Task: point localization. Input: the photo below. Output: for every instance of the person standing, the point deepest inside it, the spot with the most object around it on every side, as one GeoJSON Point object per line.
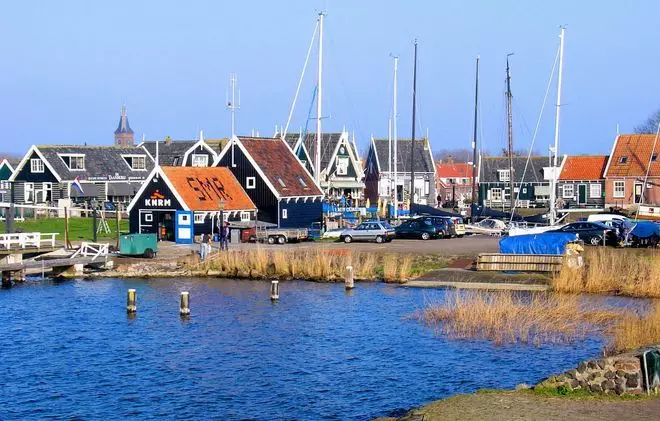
{"type": "Point", "coordinates": [224, 233]}
{"type": "Point", "coordinates": [202, 247]}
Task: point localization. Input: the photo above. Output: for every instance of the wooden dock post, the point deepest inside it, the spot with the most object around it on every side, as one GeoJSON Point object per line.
{"type": "Point", "coordinates": [6, 279]}
{"type": "Point", "coordinates": [274, 290]}
{"type": "Point", "coordinates": [184, 308]}
{"type": "Point", "coordinates": [131, 302]}
{"type": "Point", "coordinates": [349, 282]}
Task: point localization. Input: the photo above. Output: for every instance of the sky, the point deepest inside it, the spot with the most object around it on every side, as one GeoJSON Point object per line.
{"type": "Point", "coordinates": [69, 66]}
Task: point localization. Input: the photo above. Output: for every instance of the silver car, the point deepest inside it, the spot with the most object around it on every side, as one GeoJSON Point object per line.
{"type": "Point", "coordinates": [369, 231]}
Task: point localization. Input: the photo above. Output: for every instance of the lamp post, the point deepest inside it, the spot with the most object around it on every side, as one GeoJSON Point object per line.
{"type": "Point", "coordinates": [221, 206]}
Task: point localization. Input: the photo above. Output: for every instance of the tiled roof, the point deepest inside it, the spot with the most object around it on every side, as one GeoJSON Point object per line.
{"type": "Point", "coordinates": [280, 166]}
{"type": "Point", "coordinates": [201, 188]}
{"type": "Point", "coordinates": [490, 165]}
{"type": "Point", "coordinates": [453, 170]}
{"type": "Point", "coordinates": [170, 153]}
{"type": "Point", "coordinates": [631, 154]}
{"type": "Point", "coordinates": [328, 145]}
{"type": "Point", "coordinates": [583, 167]}
{"type": "Point", "coordinates": [423, 160]}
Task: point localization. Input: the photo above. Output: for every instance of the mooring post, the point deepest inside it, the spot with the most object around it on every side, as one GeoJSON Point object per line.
{"type": "Point", "coordinates": [131, 302]}
{"type": "Point", "coordinates": [349, 283]}
{"type": "Point", "coordinates": [6, 279]}
{"type": "Point", "coordinates": [275, 290]}
{"type": "Point", "coordinates": [184, 308]}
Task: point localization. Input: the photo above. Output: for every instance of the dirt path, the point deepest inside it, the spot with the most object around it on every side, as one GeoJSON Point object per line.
{"type": "Point", "coordinates": [510, 405]}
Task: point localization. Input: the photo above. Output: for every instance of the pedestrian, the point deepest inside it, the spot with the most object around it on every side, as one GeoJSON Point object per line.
{"type": "Point", "coordinates": [224, 233]}
{"type": "Point", "coordinates": [202, 247]}
{"type": "Point", "coordinates": [207, 244]}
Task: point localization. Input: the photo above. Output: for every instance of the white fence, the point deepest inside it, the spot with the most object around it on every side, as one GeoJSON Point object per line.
{"type": "Point", "coordinates": [92, 250]}
{"type": "Point", "coordinates": [25, 240]}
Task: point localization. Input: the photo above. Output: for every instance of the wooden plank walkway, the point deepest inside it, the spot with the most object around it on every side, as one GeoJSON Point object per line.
{"type": "Point", "coordinates": [51, 263]}
{"type": "Point", "coordinates": [520, 262]}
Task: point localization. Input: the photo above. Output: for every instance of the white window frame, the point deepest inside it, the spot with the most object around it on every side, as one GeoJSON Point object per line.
{"type": "Point", "coordinates": [251, 182]}
{"type": "Point", "coordinates": [37, 166]}
{"type": "Point", "coordinates": [5, 185]}
{"type": "Point", "coordinates": [499, 194]}
{"type": "Point", "coordinates": [45, 188]}
{"type": "Point", "coordinates": [427, 187]}
{"type": "Point", "coordinates": [245, 216]}
{"type": "Point", "coordinates": [139, 158]}
{"type": "Point", "coordinates": [504, 175]}
{"type": "Point", "coordinates": [619, 193]}
{"type": "Point", "coordinates": [28, 187]}
{"type": "Point", "coordinates": [197, 156]}
{"type": "Point", "coordinates": [285, 213]}
{"type": "Point", "coordinates": [568, 191]}
{"type": "Point", "coordinates": [148, 217]}
{"type": "Point", "coordinates": [199, 218]}
{"type": "Point", "coordinates": [342, 165]}
{"type": "Point", "coordinates": [595, 191]}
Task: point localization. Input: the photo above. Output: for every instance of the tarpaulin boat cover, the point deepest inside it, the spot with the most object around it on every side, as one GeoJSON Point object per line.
{"type": "Point", "coordinates": [430, 210]}
{"type": "Point", "coordinates": [544, 243]}
{"type": "Point", "coordinates": [645, 229]}
{"type": "Point", "coordinates": [484, 212]}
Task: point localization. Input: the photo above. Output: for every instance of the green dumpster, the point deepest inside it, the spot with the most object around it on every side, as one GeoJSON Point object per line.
{"type": "Point", "coordinates": [145, 245]}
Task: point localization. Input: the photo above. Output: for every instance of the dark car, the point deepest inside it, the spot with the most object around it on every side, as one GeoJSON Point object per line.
{"type": "Point", "coordinates": [417, 228]}
{"type": "Point", "coordinates": [444, 225]}
{"type": "Point", "coordinates": [591, 232]}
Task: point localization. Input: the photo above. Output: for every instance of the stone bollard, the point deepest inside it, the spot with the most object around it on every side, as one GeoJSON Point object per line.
{"type": "Point", "coordinates": [131, 302]}
{"type": "Point", "coordinates": [349, 283]}
{"type": "Point", "coordinates": [184, 308]}
{"type": "Point", "coordinates": [274, 290]}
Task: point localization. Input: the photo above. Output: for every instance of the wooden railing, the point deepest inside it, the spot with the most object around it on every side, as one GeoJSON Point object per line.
{"type": "Point", "coordinates": [93, 250]}
{"type": "Point", "coordinates": [21, 241]}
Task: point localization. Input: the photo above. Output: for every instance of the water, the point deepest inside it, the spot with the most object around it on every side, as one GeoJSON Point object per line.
{"type": "Point", "coordinates": [70, 351]}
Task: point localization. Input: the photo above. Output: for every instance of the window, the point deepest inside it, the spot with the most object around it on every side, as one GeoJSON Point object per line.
{"type": "Point", "coordinates": [74, 162]}
{"type": "Point", "coordinates": [199, 217]}
{"type": "Point", "coordinates": [285, 213]}
{"type": "Point", "coordinates": [279, 180]}
{"type": "Point", "coordinates": [29, 192]}
{"type": "Point", "coordinates": [595, 191]}
{"type": "Point", "coordinates": [623, 160]}
{"type": "Point", "coordinates": [245, 216]}
{"type": "Point", "coordinates": [619, 189]}
{"type": "Point", "coordinates": [250, 182]}
{"type": "Point", "coordinates": [36, 165]}
{"type": "Point", "coordinates": [569, 191]}
{"type": "Point", "coordinates": [342, 166]}
{"type": "Point", "coordinates": [427, 186]}
{"type": "Point", "coordinates": [504, 175]}
{"type": "Point", "coordinates": [496, 195]}
{"type": "Point", "coordinates": [4, 185]}
{"type": "Point", "coordinates": [654, 157]}
{"type": "Point", "coordinates": [136, 162]}
{"type": "Point", "coordinates": [148, 217]}
{"type": "Point", "coordinates": [175, 162]}
{"type": "Point", "coordinates": [200, 160]}
{"type": "Point", "coordinates": [46, 193]}
{"type": "Point", "coordinates": [302, 182]}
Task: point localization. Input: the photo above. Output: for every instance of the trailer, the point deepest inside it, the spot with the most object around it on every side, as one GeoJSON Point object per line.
{"type": "Point", "coordinates": [281, 235]}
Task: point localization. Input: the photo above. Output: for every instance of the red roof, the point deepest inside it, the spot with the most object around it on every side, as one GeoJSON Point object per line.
{"type": "Point", "coordinates": [453, 170]}
{"type": "Point", "coordinates": [202, 188]}
{"type": "Point", "coordinates": [583, 167]}
{"type": "Point", "coordinates": [631, 156]}
{"type": "Point", "coordinates": [280, 166]}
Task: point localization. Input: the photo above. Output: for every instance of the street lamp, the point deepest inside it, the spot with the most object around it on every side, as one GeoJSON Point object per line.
{"type": "Point", "coordinates": [221, 206]}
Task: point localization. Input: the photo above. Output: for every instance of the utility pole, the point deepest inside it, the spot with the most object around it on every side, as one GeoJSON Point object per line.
{"type": "Point", "coordinates": [510, 131]}
{"type": "Point", "coordinates": [553, 181]}
{"type": "Point", "coordinates": [319, 103]}
{"type": "Point", "coordinates": [412, 141]}
{"type": "Point", "coordinates": [474, 138]}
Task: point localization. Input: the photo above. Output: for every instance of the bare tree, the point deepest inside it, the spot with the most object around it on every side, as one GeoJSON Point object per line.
{"type": "Point", "coordinates": [518, 152]}
{"type": "Point", "coordinates": [650, 125]}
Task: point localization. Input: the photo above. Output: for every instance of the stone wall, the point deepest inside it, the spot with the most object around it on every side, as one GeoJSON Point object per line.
{"type": "Point", "coordinates": [620, 374]}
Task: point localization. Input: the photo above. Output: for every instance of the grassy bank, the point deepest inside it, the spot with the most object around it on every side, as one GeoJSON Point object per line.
{"type": "Point", "coordinates": [80, 229]}
{"type": "Point", "coordinates": [631, 272]}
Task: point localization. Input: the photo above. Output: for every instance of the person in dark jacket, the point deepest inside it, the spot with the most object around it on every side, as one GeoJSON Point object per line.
{"type": "Point", "coordinates": [224, 234]}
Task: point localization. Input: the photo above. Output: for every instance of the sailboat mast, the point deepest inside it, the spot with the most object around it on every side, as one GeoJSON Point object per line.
{"type": "Point", "coordinates": [395, 117]}
{"type": "Point", "coordinates": [319, 98]}
{"type": "Point", "coordinates": [474, 137]}
{"type": "Point", "coordinates": [553, 182]}
{"type": "Point", "coordinates": [412, 141]}
{"type": "Point", "coordinates": [510, 132]}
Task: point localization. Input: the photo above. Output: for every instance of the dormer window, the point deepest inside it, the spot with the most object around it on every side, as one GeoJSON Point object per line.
{"type": "Point", "coordinates": [654, 157]}
{"type": "Point", "coordinates": [279, 180]}
{"type": "Point", "coordinates": [74, 162]}
{"type": "Point", "coordinates": [504, 175]}
{"type": "Point", "coordinates": [200, 160]}
{"type": "Point", "coordinates": [623, 160]}
{"type": "Point", "coordinates": [136, 162]}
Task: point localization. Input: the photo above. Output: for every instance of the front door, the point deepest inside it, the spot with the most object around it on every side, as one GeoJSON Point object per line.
{"type": "Point", "coordinates": [638, 192]}
{"type": "Point", "coordinates": [582, 194]}
{"type": "Point", "coordinates": [183, 227]}
{"type": "Point", "coordinates": [146, 224]}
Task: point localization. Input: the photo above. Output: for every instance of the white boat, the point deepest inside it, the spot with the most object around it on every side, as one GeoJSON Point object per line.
{"type": "Point", "coordinates": [487, 227]}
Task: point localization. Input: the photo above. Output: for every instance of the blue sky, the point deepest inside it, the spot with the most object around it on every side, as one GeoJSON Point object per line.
{"type": "Point", "coordinates": [68, 66]}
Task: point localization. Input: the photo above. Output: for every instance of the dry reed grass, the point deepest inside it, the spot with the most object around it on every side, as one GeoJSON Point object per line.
{"type": "Point", "coordinates": [632, 272]}
{"type": "Point", "coordinates": [634, 331]}
{"type": "Point", "coordinates": [510, 318]}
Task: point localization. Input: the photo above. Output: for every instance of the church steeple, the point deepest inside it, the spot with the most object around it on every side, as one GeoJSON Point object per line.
{"type": "Point", "coordinates": [124, 133]}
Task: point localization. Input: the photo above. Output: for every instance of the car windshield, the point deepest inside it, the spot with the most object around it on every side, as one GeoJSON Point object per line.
{"type": "Point", "coordinates": [386, 225]}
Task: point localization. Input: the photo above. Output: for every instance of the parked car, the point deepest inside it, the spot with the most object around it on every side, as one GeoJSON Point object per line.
{"type": "Point", "coordinates": [417, 228]}
{"type": "Point", "coordinates": [591, 232]}
{"type": "Point", "coordinates": [443, 224]}
{"type": "Point", "coordinates": [377, 231]}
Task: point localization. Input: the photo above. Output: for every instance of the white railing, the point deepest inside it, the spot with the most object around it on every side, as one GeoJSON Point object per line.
{"type": "Point", "coordinates": [93, 250]}
{"type": "Point", "coordinates": [25, 240]}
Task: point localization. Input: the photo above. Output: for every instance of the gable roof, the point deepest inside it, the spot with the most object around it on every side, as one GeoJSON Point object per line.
{"type": "Point", "coordinates": [6, 162]}
{"type": "Point", "coordinates": [583, 167]}
{"type": "Point", "coordinates": [329, 143]}
{"type": "Point", "coordinates": [423, 161]}
{"type": "Point", "coordinates": [174, 153]}
{"type": "Point", "coordinates": [101, 162]}
{"type": "Point", "coordinates": [201, 188]}
{"type": "Point", "coordinates": [279, 166]}
{"type": "Point", "coordinates": [453, 170]}
{"type": "Point", "coordinates": [490, 164]}
{"type": "Point", "coordinates": [637, 150]}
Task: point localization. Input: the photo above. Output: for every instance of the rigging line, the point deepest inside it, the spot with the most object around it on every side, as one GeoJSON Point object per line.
{"type": "Point", "coordinates": [648, 169]}
{"type": "Point", "coordinates": [536, 130]}
{"type": "Point", "coordinates": [302, 75]}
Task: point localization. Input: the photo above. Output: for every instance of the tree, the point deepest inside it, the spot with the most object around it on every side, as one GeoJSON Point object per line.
{"type": "Point", "coordinates": [650, 125]}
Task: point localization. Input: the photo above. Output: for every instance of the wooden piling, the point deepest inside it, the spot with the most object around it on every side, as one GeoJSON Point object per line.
{"type": "Point", "coordinates": [275, 290]}
{"type": "Point", "coordinates": [131, 302]}
{"type": "Point", "coordinates": [349, 282]}
{"type": "Point", "coordinates": [184, 308]}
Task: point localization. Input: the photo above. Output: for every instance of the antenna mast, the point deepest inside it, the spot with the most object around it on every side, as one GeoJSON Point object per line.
{"type": "Point", "coordinates": [412, 141]}
{"type": "Point", "coordinates": [232, 106]}
{"type": "Point", "coordinates": [553, 182]}
{"type": "Point", "coordinates": [474, 138]}
{"type": "Point", "coordinates": [395, 117]}
{"type": "Point", "coordinates": [319, 102]}
{"type": "Point", "coordinates": [510, 132]}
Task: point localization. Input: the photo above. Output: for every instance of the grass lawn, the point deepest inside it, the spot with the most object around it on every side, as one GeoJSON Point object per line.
{"type": "Point", "coordinates": [80, 229]}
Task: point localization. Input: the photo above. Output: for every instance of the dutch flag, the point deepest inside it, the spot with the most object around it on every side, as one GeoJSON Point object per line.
{"type": "Point", "coordinates": [78, 186]}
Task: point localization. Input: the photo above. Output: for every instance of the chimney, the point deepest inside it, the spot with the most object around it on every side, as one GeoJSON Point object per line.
{"type": "Point", "coordinates": [168, 140]}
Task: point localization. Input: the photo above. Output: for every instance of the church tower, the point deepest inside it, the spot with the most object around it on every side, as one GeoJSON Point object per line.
{"type": "Point", "coordinates": [124, 133]}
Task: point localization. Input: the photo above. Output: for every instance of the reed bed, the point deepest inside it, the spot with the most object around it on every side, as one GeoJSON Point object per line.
{"type": "Point", "coordinates": [631, 272]}
{"type": "Point", "coordinates": [635, 330]}
{"type": "Point", "coordinates": [513, 318]}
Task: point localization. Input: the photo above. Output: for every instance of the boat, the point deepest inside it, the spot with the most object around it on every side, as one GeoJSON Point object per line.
{"type": "Point", "coordinates": [487, 226]}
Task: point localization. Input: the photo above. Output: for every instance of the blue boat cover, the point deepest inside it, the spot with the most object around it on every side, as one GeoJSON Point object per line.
{"type": "Point", "coordinates": [544, 243]}
{"type": "Point", "coordinates": [645, 229]}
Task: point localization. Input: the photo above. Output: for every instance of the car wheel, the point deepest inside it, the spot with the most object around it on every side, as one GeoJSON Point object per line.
{"type": "Point", "coordinates": [271, 240]}
{"type": "Point", "coordinates": [348, 239]}
{"type": "Point", "coordinates": [595, 241]}
{"type": "Point", "coordinates": [425, 236]}
{"type": "Point", "coordinates": [281, 240]}
{"type": "Point", "coordinates": [379, 239]}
